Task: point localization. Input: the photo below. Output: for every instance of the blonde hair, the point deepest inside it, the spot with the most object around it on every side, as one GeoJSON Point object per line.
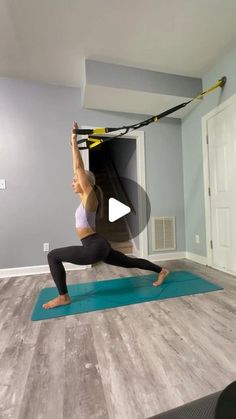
{"type": "Point", "coordinates": [98, 191]}
{"type": "Point", "coordinates": [91, 177]}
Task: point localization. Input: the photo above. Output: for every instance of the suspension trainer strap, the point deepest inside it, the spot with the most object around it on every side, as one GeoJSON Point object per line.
{"type": "Point", "coordinates": [95, 135]}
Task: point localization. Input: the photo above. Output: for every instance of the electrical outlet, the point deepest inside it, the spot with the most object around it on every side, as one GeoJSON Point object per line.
{"type": "Point", "coordinates": [45, 247]}
{"type": "Point", "coordinates": [197, 239]}
{"type": "Point", "coordinates": [2, 184]}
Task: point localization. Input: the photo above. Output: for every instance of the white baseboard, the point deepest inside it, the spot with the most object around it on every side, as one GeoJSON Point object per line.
{"type": "Point", "coordinates": [44, 269]}
{"type": "Point", "coordinates": [36, 270]}
{"type": "Point", "coordinates": [196, 258]}
{"type": "Point", "coordinates": [178, 255]}
{"type": "Point", "coordinates": [166, 256]}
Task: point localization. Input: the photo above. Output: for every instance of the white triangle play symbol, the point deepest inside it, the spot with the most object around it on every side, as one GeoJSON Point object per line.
{"type": "Point", "coordinates": [116, 209]}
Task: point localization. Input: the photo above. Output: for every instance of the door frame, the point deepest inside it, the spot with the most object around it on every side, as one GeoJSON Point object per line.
{"type": "Point", "coordinates": [206, 177]}
{"type": "Point", "coordinates": [139, 137]}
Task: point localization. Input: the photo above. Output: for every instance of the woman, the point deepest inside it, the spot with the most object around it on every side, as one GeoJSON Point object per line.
{"type": "Point", "coordinates": [94, 247]}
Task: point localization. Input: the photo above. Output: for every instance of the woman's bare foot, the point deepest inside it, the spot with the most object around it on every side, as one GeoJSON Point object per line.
{"type": "Point", "coordinates": [161, 277]}
{"type": "Point", "coordinates": [61, 300]}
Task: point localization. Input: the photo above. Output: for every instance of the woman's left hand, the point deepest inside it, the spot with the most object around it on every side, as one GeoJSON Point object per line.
{"type": "Point", "coordinates": [73, 139]}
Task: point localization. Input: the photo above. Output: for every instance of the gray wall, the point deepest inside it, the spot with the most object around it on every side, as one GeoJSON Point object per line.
{"type": "Point", "coordinates": [164, 176]}
{"type": "Point", "coordinates": [35, 159]}
{"type": "Point", "coordinates": [192, 152]}
{"type": "Point", "coordinates": [119, 76]}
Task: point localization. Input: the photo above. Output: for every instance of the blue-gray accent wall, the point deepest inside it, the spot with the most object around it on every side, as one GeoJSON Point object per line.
{"type": "Point", "coordinates": [123, 77]}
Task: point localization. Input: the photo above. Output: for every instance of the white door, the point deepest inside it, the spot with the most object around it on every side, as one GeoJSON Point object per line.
{"type": "Point", "coordinates": [222, 175]}
{"type": "Point", "coordinates": [85, 157]}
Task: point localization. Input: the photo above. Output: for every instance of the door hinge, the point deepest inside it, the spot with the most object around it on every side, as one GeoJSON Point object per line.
{"type": "Point", "coordinates": [209, 191]}
{"type": "Point", "coordinates": [207, 141]}
{"type": "Point", "coordinates": [211, 244]}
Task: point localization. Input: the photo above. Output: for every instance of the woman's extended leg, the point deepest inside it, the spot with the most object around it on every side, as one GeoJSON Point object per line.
{"type": "Point", "coordinates": [119, 259]}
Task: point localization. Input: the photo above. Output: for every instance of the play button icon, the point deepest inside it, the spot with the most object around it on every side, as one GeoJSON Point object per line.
{"type": "Point", "coordinates": [124, 209]}
{"type": "Point", "coordinates": [116, 209]}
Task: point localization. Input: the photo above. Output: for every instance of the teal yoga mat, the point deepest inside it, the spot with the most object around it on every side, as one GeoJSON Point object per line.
{"type": "Point", "coordinates": [101, 295]}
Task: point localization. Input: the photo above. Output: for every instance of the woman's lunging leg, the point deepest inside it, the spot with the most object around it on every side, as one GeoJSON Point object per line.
{"type": "Point", "coordinates": [78, 255]}
{"type": "Point", "coordinates": [57, 270]}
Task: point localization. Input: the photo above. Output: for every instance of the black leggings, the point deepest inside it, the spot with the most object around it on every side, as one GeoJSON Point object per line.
{"type": "Point", "coordinates": [95, 248]}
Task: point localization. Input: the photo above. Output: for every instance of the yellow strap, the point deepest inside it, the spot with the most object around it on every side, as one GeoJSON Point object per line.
{"type": "Point", "coordinates": [99, 131]}
{"type": "Point", "coordinates": [210, 90]}
{"type": "Point", "coordinates": [214, 87]}
{"type": "Point", "coordinates": [95, 142]}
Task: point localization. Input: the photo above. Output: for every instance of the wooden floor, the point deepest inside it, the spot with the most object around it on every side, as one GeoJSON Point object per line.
{"type": "Point", "coordinates": [125, 363]}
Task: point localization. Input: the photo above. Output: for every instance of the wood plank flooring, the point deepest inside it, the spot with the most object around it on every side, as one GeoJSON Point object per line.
{"type": "Point", "coordinates": [124, 363]}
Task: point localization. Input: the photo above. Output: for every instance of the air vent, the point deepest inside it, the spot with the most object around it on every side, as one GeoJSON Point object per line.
{"type": "Point", "coordinates": [163, 233]}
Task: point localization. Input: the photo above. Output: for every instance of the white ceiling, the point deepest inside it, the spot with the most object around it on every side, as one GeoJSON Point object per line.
{"type": "Point", "coordinates": [47, 40]}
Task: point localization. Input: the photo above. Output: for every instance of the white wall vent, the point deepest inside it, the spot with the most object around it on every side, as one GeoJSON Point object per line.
{"type": "Point", "coordinates": [163, 233]}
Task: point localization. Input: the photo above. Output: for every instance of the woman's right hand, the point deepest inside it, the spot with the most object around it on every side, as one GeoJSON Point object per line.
{"type": "Point", "coordinates": [73, 139]}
